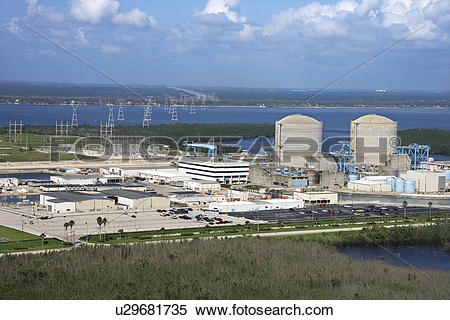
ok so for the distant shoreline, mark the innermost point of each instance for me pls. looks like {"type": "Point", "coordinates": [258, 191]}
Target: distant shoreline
{"type": "Point", "coordinates": [248, 106]}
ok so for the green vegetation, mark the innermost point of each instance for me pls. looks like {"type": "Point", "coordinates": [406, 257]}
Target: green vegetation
{"type": "Point", "coordinates": [241, 230]}
{"type": "Point", "coordinates": [25, 150]}
{"type": "Point", "coordinates": [243, 268]}
{"type": "Point", "coordinates": [437, 234]}
{"type": "Point", "coordinates": [174, 131]}
{"type": "Point", "coordinates": [40, 243]}
{"type": "Point", "coordinates": [13, 234]}
{"type": "Point", "coordinates": [438, 140]}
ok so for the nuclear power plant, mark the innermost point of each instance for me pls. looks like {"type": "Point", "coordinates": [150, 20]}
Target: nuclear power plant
{"type": "Point", "coordinates": [371, 159]}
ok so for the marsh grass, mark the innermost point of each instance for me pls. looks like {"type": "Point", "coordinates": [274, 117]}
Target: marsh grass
{"type": "Point", "coordinates": [241, 268]}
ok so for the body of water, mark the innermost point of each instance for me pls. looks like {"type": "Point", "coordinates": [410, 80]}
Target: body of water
{"type": "Point", "coordinates": [15, 199]}
{"type": "Point", "coordinates": [423, 257]}
{"type": "Point", "coordinates": [26, 176]}
{"type": "Point", "coordinates": [335, 120]}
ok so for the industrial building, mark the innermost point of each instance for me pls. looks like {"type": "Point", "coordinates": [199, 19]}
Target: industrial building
{"type": "Point", "coordinates": [319, 197]}
{"type": "Point", "coordinates": [79, 179]}
{"type": "Point", "coordinates": [227, 171]}
{"type": "Point", "coordinates": [298, 140]}
{"type": "Point", "coordinates": [136, 200]}
{"type": "Point", "coordinates": [244, 206]}
{"type": "Point", "coordinates": [163, 175]}
{"type": "Point", "coordinates": [426, 181]}
{"type": "Point", "coordinates": [60, 202]}
{"type": "Point", "coordinates": [371, 184]}
{"type": "Point", "coordinates": [202, 185]}
{"type": "Point", "coordinates": [9, 182]}
{"type": "Point", "coordinates": [373, 138]}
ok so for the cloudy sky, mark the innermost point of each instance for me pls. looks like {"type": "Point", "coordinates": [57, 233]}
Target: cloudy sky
{"type": "Point", "coordinates": [251, 43]}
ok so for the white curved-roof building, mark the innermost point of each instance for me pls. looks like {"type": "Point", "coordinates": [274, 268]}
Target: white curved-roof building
{"type": "Point", "coordinates": [298, 139]}
{"type": "Point", "coordinates": [374, 138]}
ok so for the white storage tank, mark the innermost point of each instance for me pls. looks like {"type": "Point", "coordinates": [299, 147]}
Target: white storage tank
{"type": "Point", "coordinates": [298, 138]}
{"type": "Point", "coordinates": [399, 185]}
{"type": "Point", "coordinates": [410, 186]}
{"type": "Point", "coordinates": [370, 131]}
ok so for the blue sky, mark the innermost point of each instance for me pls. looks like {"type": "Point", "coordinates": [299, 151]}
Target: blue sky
{"type": "Point", "coordinates": [250, 43]}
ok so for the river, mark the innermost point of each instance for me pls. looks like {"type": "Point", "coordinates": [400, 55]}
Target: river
{"type": "Point", "coordinates": [422, 257]}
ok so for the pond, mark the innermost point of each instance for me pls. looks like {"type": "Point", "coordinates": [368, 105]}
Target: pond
{"type": "Point", "coordinates": [422, 257]}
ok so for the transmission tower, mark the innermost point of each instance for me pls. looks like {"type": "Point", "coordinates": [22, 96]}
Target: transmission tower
{"type": "Point", "coordinates": [15, 131]}
{"type": "Point", "coordinates": [192, 112]}
{"type": "Point", "coordinates": [120, 116]}
{"type": "Point", "coordinates": [203, 100]}
{"type": "Point", "coordinates": [166, 102]}
{"type": "Point", "coordinates": [147, 116]}
{"type": "Point", "coordinates": [62, 128]}
{"type": "Point", "coordinates": [74, 116]}
{"type": "Point", "coordinates": [106, 131]}
{"type": "Point", "coordinates": [111, 117]}
{"type": "Point", "coordinates": [174, 114]}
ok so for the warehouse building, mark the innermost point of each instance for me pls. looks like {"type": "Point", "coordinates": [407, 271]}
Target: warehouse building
{"type": "Point", "coordinates": [137, 200]}
{"type": "Point", "coordinates": [311, 198]}
{"type": "Point", "coordinates": [426, 181]}
{"type": "Point", "coordinates": [229, 172]}
{"type": "Point", "coordinates": [132, 171]}
{"type": "Point", "coordinates": [60, 202]}
{"type": "Point", "coordinates": [371, 184]}
{"type": "Point", "coordinates": [202, 185]}
{"type": "Point", "coordinates": [79, 179]}
{"type": "Point", "coordinates": [244, 206]}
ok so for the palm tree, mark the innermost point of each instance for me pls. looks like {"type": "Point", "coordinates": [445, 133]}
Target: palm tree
{"type": "Point", "coordinates": [66, 225]}
{"type": "Point", "coordinates": [71, 224]}
{"type": "Point", "coordinates": [405, 204]}
{"type": "Point", "coordinates": [104, 223]}
{"type": "Point", "coordinates": [100, 222]}
{"type": "Point", "coordinates": [429, 205]}
{"type": "Point", "coordinates": [42, 236]}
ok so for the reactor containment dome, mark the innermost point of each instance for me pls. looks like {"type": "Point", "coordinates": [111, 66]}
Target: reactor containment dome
{"type": "Point", "coordinates": [373, 139]}
{"type": "Point", "coordinates": [298, 140]}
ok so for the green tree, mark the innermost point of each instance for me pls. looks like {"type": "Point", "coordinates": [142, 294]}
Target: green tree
{"type": "Point", "coordinates": [66, 225]}
{"type": "Point", "coordinates": [429, 205]}
{"type": "Point", "coordinates": [42, 237]}
{"type": "Point", "coordinates": [100, 223]}
{"type": "Point", "coordinates": [71, 224]}
{"type": "Point", "coordinates": [405, 204]}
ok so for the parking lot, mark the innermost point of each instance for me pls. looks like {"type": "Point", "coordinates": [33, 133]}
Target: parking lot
{"type": "Point", "coordinates": [338, 212]}
{"type": "Point", "coordinates": [86, 223]}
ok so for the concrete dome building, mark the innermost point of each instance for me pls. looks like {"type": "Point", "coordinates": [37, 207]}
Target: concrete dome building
{"type": "Point", "coordinates": [298, 140]}
{"type": "Point", "coordinates": [373, 138]}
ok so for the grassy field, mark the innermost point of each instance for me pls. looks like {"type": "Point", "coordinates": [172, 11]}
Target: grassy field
{"type": "Point", "coordinates": [13, 234]}
{"type": "Point", "coordinates": [26, 149]}
{"type": "Point", "coordinates": [242, 268]}
{"type": "Point", "coordinates": [30, 245]}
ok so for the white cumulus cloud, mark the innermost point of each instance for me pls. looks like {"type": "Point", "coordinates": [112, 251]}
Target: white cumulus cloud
{"type": "Point", "coordinates": [135, 18]}
{"type": "Point", "coordinates": [93, 11]}
{"type": "Point", "coordinates": [228, 8]}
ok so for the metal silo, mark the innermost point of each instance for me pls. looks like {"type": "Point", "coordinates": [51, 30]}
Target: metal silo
{"type": "Point", "coordinates": [399, 185]}
{"type": "Point", "coordinates": [373, 138]}
{"type": "Point", "coordinates": [298, 140]}
{"type": "Point", "coordinates": [410, 186]}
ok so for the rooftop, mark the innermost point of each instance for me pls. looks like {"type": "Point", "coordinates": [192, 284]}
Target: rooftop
{"type": "Point", "coordinates": [73, 196]}
{"type": "Point", "coordinates": [130, 194]}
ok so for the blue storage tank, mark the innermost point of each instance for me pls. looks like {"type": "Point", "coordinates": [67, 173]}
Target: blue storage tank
{"type": "Point", "coordinates": [399, 185]}
{"type": "Point", "coordinates": [447, 174]}
{"type": "Point", "coordinates": [391, 181]}
{"type": "Point", "coordinates": [353, 177]}
{"type": "Point", "coordinates": [410, 186]}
